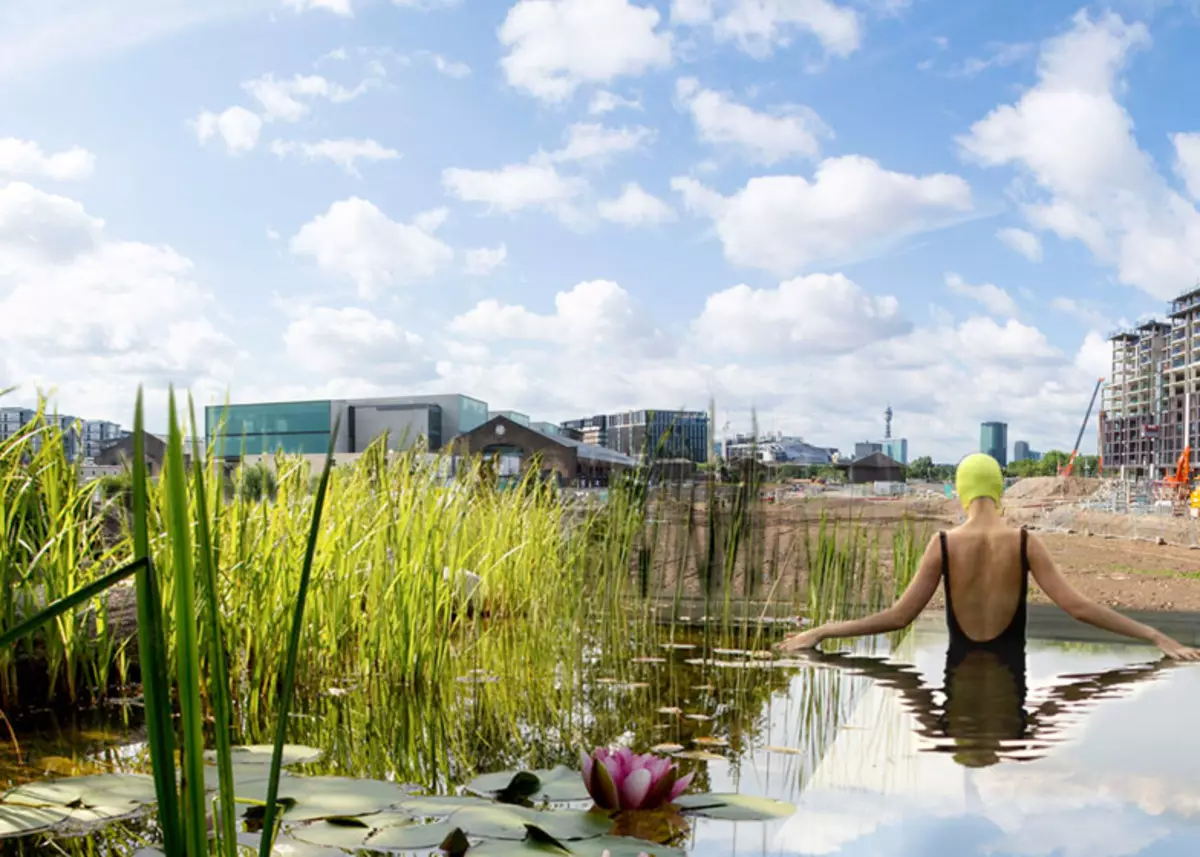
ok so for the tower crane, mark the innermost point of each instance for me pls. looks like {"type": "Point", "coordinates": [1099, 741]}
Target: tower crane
{"type": "Point", "coordinates": [1066, 471]}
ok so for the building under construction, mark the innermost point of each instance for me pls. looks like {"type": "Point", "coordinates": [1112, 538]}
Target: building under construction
{"type": "Point", "coordinates": [1151, 406]}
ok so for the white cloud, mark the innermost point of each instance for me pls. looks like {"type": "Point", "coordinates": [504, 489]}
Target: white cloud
{"type": "Point", "coordinates": [26, 158]}
{"type": "Point", "coordinates": [1094, 183]}
{"type": "Point", "coordinates": [345, 153]}
{"type": "Point", "coordinates": [481, 261]}
{"type": "Point", "coordinates": [355, 240]}
{"type": "Point", "coordinates": [761, 26]}
{"type": "Point", "coordinates": [1187, 161]}
{"type": "Point", "coordinates": [995, 299]}
{"type": "Point", "coordinates": [1025, 243]}
{"type": "Point", "coordinates": [77, 305]}
{"type": "Point", "coordinates": [766, 138]}
{"type": "Point", "coordinates": [1095, 354]}
{"type": "Point", "coordinates": [344, 8]}
{"type": "Point", "coordinates": [237, 127]}
{"type": "Point", "coordinates": [606, 102]}
{"type": "Point", "coordinates": [783, 223]}
{"type": "Point", "coordinates": [593, 314]}
{"type": "Point", "coordinates": [287, 99]}
{"type": "Point", "coordinates": [998, 55]}
{"type": "Point", "coordinates": [339, 342]}
{"type": "Point", "coordinates": [591, 141]}
{"type": "Point", "coordinates": [635, 207]}
{"type": "Point", "coordinates": [1013, 342]}
{"type": "Point", "coordinates": [515, 187]}
{"type": "Point", "coordinates": [555, 46]}
{"type": "Point", "coordinates": [816, 314]}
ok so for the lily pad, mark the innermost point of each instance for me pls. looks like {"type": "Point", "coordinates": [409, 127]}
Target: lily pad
{"type": "Point", "coordinates": [323, 797]}
{"type": "Point", "coordinates": [700, 756]}
{"type": "Point", "coordinates": [245, 780]}
{"type": "Point", "coordinates": [412, 837]}
{"type": "Point", "coordinates": [557, 785]}
{"type": "Point", "coordinates": [433, 806]}
{"type": "Point", "coordinates": [615, 846]}
{"type": "Point", "coordinates": [349, 832]}
{"type": "Point", "coordinates": [734, 807]}
{"type": "Point", "coordinates": [24, 820]}
{"type": "Point", "coordinates": [88, 791]}
{"type": "Point", "coordinates": [260, 754]}
{"type": "Point", "coordinates": [710, 741]}
{"type": "Point", "coordinates": [666, 748]}
{"type": "Point", "coordinates": [785, 751]}
{"type": "Point", "coordinates": [497, 821]}
{"type": "Point", "coordinates": [249, 843]}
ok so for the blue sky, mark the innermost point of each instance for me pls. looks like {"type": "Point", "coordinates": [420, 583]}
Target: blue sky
{"type": "Point", "coordinates": [809, 208]}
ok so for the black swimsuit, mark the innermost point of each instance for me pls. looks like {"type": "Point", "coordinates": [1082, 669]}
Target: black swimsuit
{"type": "Point", "coordinates": [1005, 652]}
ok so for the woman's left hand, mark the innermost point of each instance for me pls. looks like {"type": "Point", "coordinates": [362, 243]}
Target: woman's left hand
{"type": "Point", "coordinates": [809, 639]}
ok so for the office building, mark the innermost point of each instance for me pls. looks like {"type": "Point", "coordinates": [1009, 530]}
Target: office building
{"type": "Point", "coordinates": [647, 433]}
{"type": "Point", "coordinates": [98, 434]}
{"type": "Point", "coordinates": [659, 434]}
{"type": "Point", "coordinates": [1020, 450]}
{"type": "Point", "coordinates": [81, 438]}
{"type": "Point", "coordinates": [993, 440]}
{"type": "Point", "coordinates": [13, 419]}
{"type": "Point", "coordinates": [306, 427]}
{"type": "Point", "coordinates": [896, 448]}
{"type": "Point", "coordinates": [866, 447]}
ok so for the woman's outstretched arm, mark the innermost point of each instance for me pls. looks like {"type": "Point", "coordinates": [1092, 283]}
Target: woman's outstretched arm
{"type": "Point", "coordinates": [1080, 607]}
{"type": "Point", "coordinates": [900, 615]}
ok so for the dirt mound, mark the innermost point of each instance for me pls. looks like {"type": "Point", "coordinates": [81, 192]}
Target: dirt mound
{"type": "Point", "coordinates": [1052, 488]}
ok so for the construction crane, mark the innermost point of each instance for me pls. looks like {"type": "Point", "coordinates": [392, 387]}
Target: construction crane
{"type": "Point", "coordinates": [1066, 471]}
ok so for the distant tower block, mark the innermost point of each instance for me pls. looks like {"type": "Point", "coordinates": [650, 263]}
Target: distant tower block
{"type": "Point", "coordinates": [887, 423]}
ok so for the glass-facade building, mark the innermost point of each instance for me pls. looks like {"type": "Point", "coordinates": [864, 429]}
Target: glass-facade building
{"type": "Point", "coordinates": [262, 429]}
{"type": "Point", "coordinates": [993, 440]}
{"type": "Point", "coordinates": [304, 428]}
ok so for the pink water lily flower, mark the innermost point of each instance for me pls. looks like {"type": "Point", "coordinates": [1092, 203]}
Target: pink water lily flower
{"type": "Point", "coordinates": [622, 779]}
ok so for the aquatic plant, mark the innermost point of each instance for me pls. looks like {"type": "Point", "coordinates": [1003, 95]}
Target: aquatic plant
{"type": "Point", "coordinates": [621, 779]}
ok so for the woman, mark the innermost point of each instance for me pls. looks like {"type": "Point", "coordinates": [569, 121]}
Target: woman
{"type": "Point", "coordinates": [984, 565]}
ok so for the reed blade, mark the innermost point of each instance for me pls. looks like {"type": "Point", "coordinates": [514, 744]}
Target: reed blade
{"type": "Point", "coordinates": [289, 675]}
{"type": "Point", "coordinates": [187, 650]}
{"type": "Point", "coordinates": [152, 652]}
{"type": "Point", "coordinates": [218, 686]}
{"type": "Point", "coordinates": [62, 605]}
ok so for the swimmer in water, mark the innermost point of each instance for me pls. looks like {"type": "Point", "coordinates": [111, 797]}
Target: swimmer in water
{"type": "Point", "coordinates": [984, 565]}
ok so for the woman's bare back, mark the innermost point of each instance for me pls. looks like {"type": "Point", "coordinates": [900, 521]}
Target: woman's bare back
{"type": "Point", "coordinates": [985, 577]}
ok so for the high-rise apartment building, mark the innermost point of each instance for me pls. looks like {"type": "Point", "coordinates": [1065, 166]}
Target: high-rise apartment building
{"type": "Point", "coordinates": [993, 440]}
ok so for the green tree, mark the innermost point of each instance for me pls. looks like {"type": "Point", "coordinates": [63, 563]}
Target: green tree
{"type": "Point", "coordinates": [922, 469]}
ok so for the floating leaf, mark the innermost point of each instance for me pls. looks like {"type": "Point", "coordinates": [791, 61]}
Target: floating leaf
{"type": "Point", "coordinates": [322, 797]}
{"type": "Point", "coordinates": [734, 807]}
{"type": "Point", "coordinates": [23, 820]}
{"type": "Point", "coordinates": [412, 837]}
{"type": "Point", "coordinates": [787, 751]}
{"type": "Point", "coordinates": [347, 831]}
{"type": "Point", "coordinates": [558, 785]}
{"type": "Point", "coordinates": [495, 821]}
{"type": "Point", "coordinates": [87, 791]}
{"type": "Point", "coordinates": [666, 748]}
{"type": "Point", "coordinates": [710, 741]}
{"type": "Point", "coordinates": [260, 754]}
{"type": "Point", "coordinates": [286, 846]}
{"type": "Point", "coordinates": [648, 661]}
{"type": "Point", "coordinates": [615, 846]}
{"type": "Point", "coordinates": [670, 710]}
{"type": "Point", "coordinates": [432, 806]}
{"type": "Point", "coordinates": [700, 717]}
{"type": "Point", "coordinates": [700, 756]}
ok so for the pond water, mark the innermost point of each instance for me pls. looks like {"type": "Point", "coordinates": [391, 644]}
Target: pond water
{"type": "Point", "coordinates": [877, 761]}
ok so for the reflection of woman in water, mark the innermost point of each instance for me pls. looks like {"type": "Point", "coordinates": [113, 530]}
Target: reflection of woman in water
{"type": "Point", "coordinates": [984, 566]}
{"type": "Point", "coordinates": [983, 717]}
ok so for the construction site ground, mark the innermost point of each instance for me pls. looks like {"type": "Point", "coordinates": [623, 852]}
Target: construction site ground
{"type": "Point", "coordinates": [1136, 561]}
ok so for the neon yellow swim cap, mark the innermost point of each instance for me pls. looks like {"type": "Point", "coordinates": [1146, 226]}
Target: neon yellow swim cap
{"type": "Point", "coordinates": [979, 475]}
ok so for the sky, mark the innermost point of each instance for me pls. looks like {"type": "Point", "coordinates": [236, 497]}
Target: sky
{"type": "Point", "coordinates": [799, 210]}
